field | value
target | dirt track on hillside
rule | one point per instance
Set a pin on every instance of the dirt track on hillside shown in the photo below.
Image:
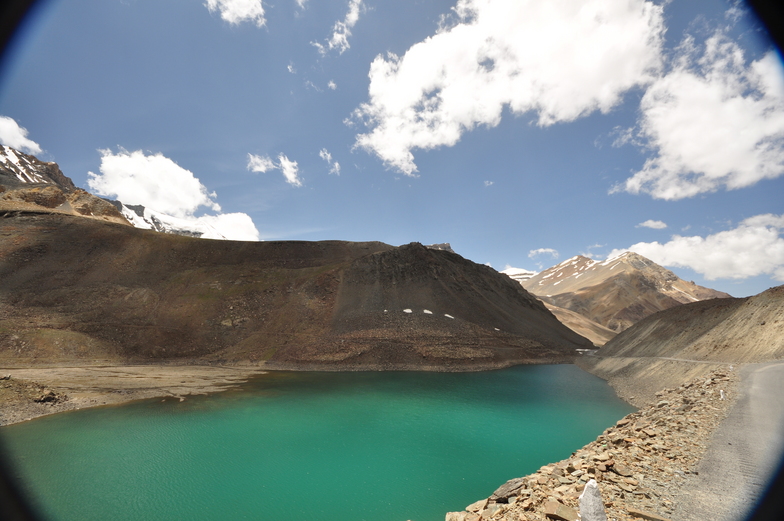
(743, 452)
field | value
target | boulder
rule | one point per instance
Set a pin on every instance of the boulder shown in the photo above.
(556, 510)
(591, 504)
(508, 489)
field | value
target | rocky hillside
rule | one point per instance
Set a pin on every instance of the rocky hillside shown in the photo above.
(671, 346)
(28, 184)
(617, 292)
(639, 465)
(33, 186)
(81, 289)
(18, 168)
(733, 330)
(593, 331)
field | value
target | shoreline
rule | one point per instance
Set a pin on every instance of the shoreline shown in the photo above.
(33, 392)
(655, 430)
(641, 464)
(72, 387)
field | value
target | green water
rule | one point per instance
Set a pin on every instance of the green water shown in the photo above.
(312, 446)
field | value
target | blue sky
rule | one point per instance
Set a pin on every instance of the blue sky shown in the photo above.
(521, 132)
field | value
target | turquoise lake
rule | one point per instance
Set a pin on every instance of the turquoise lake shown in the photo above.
(375, 446)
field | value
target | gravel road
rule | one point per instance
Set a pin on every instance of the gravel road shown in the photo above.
(743, 453)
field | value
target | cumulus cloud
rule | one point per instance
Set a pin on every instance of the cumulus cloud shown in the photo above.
(342, 30)
(650, 223)
(232, 226)
(559, 59)
(712, 121)
(238, 11)
(332, 85)
(160, 184)
(334, 166)
(14, 136)
(154, 181)
(287, 167)
(543, 251)
(489, 183)
(754, 247)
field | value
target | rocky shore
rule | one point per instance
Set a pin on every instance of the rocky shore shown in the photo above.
(27, 393)
(640, 464)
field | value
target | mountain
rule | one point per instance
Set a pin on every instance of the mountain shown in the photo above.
(676, 345)
(33, 186)
(734, 330)
(18, 168)
(147, 219)
(444, 246)
(583, 326)
(78, 289)
(616, 292)
(519, 274)
(28, 182)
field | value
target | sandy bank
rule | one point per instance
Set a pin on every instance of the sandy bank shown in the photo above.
(59, 389)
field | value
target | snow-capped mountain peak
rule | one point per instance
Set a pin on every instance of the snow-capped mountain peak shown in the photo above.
(18, 168)
(518, 274)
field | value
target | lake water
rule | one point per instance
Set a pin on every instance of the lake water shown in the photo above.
(313, 446)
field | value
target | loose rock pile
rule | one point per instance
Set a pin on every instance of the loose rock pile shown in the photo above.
(639, 464)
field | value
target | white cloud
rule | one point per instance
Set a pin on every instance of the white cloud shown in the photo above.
(260, 163)
(342, 30)
(543, 251)
(301, 3)
(160, 184)
(560, 59)
(288, 168)
(309, 84)
(290, 67)
(332, 85)
(238, 11)
(14, 136)
(154, 181)
(650, 223)
(489, 183)
(334, 166)
(712, 121)
(232, 226)
(754, 247)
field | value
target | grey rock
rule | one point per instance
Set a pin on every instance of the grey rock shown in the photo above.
(591, 504)
(509, 488)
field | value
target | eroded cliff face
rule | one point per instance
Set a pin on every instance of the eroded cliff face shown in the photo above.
(79, 289)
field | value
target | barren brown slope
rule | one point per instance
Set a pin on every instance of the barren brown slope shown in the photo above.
(80, 289)
(734, 330)
(582, 325)
(675, 345)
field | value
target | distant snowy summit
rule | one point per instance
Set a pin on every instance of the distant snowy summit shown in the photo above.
(444, 246)
(616, 292)
(148, 219)
(30, 182)
(519, 274)
(18, 168)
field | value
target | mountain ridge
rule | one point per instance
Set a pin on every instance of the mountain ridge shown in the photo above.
(616, 292)
(80, 289)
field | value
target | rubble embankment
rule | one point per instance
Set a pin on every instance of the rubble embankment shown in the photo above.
(640, 463)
